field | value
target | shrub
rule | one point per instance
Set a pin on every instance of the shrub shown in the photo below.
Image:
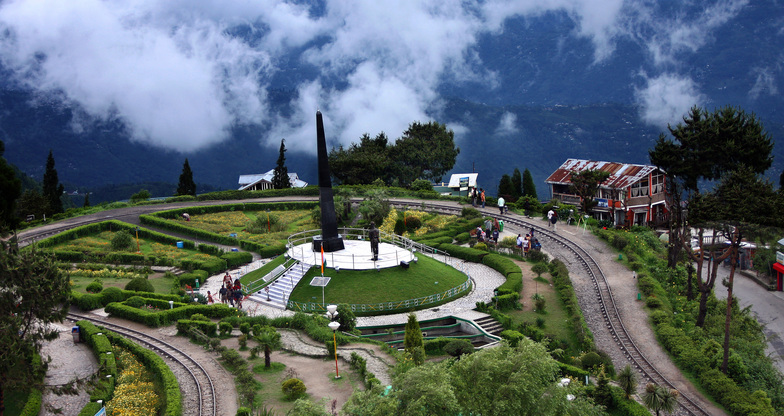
(225, 328)
(111, 294)
(140, 284)
(122, 240)
(653, 302)
(538, 256)
(458, 347)
(619, 241)
(135, 301)
(590, 360)
(512, 336)
(470, 212)
(293, 388)
(96, 286)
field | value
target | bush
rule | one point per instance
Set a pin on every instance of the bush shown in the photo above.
(653, 302)
(140, 284)
(537, 256)
(458, 347)
(293, 388)
(111, 294)
(96, 286)
(512, 336)
(122, 240)
(470, 212)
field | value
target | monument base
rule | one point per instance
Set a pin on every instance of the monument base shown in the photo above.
(330, 245)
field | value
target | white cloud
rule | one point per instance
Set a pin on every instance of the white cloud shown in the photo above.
(507, 125)
(666, 98)
(179, 79)
(764, 83)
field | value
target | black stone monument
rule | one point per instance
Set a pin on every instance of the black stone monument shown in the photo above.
(329, 239)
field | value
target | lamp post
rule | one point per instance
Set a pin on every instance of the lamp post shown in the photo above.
(495, 297)
(138, 249)
(332, 314)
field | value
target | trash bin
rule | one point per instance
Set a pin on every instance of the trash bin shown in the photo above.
(75, 333)
(179, 244)
(501, 225)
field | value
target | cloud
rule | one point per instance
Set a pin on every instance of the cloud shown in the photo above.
(507, 125)
(764, 83)
(667, 98)
(181, 73)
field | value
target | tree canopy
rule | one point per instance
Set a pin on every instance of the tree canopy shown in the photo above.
(186, 185)
(585, 184)
(425, 151)
(33, 293)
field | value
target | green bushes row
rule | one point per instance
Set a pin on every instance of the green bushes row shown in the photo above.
(213, 265)
(98, 340)
(731, 396)
(170, 396)
(90, 301)
(263, 250)
(155, 319)
(35, 398)
(110, 225)
(463, 253)
(359, 365)
(191, 278)
(236, 258)
(572, 371)
(563, 285)
(436, 346)
(209, 328)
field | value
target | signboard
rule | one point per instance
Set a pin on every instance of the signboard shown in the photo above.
(601, 203)
(780, 257)
(101, 412)
(464, 183)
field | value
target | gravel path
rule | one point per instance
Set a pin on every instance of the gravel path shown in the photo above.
(70, 361)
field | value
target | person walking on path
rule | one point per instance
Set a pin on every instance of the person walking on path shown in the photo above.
(482, 196)
(550, 214)
(554, 219)
(501, 203)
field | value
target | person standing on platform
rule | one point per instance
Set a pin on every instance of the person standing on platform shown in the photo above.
(550, 214)
(501, 203)
(482, 196)
(373, 235)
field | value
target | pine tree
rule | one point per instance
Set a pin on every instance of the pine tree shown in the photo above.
(517, 184)
(186, 185)
(529, 189)
(414, 342)
(505, 186)
(280, 178)
(53, 189)
(10, 189)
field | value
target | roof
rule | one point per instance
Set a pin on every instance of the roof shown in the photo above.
(454, 180)
(247, 181)
(622, 175)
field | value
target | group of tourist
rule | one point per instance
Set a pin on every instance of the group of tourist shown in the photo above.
(529, 242)
(230, 292)
(478, 197)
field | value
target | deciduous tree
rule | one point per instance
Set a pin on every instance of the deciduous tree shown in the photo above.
(426, 151)
(362, 163)
(33, 294)
(186, 185)
(585, 184)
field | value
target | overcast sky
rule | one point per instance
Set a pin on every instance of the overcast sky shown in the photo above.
(179, 79)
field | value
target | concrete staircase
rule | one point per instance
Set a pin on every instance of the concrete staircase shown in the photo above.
(280, 289)
(490, 325)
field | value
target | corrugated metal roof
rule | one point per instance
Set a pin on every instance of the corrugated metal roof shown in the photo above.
(247, 181)
(622, 175)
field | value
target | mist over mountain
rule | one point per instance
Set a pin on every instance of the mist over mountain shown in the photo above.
(123, 91)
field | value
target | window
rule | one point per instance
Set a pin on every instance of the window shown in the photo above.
(639, 189)
(657, 184)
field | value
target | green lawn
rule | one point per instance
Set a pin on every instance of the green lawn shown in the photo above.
(161, 284)
(101, 244)
(262, 271)
(424, 278)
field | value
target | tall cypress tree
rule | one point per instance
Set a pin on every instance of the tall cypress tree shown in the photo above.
(517, 184)
(10, 189)
(280, 178)
(186, 186)
(529, 189)
(505, 186)
(53, 189)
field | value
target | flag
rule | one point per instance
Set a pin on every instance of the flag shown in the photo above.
(322, 259)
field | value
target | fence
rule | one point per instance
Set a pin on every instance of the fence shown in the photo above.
(401, 306)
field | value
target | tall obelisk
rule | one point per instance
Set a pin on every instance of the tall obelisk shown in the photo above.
(329, 239)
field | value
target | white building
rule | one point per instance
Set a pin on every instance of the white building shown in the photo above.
(261, 181)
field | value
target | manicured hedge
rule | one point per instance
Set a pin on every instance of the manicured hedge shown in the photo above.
(34, 398)
(212, 265)
(156, 319)
(563, 285)
(110, 225)
(572, 371)
(236, 258)
(263, 250)
(439, 240)
(210, 249)
(464, 253)
(171, 396)
(512, 336)
(508, 301)
(192, 277)
(98, 341)
(90, 301)
(209, 328)
(436, 346)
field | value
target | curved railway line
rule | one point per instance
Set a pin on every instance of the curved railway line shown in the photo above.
(602, 290)
(605, 298)
(196, 386)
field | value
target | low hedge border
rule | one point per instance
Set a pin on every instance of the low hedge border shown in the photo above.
(155, 319)
(98, 340)
(209, 328)
(90, 301)
(35, 398)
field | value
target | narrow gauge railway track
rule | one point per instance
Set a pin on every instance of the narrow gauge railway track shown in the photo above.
(604, 295)
(193, 379)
